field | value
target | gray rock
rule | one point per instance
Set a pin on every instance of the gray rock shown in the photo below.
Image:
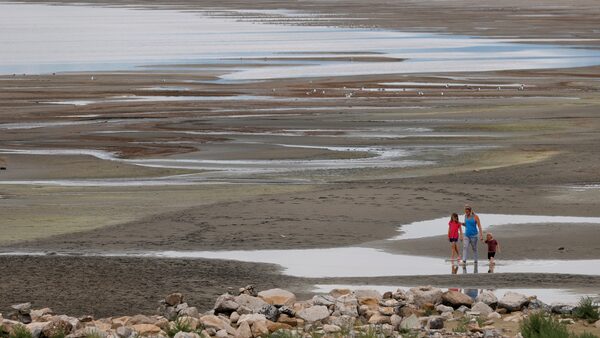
(410, 323)
(270, 312)
(395, 320)
(124, 332)
(387, 330)
(253, 303)
(483, 309)
(562, 309)
(226, 304)
(436, 323)
(536, 304)
(182, 334)
(23, 308)
(170, 313)
(286, 310)
(443, 308)
(487, 297)
(190, 311)
(342, 321)
(513, 301)
(347, 305)
(462, 309)
(325, 300)
(313, 313)
(426, 294)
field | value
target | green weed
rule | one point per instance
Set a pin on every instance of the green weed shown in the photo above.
(587, 310)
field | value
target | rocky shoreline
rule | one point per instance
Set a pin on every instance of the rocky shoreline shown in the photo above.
(418, 312)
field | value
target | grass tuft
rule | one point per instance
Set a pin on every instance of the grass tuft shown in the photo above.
(587, 310)
(20, 331)
(538, 325)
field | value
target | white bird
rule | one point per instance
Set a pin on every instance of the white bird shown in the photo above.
(447, 86)
(92, 78)
(323, 92)
(442, 93)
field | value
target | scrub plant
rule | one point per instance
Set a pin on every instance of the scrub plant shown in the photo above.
(539, 325)
(20, 331)
(587, 310)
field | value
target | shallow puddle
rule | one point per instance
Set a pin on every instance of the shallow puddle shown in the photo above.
(439, 226)
(36, 36)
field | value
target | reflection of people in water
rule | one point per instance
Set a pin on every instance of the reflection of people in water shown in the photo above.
(454, 269)
(471, 293)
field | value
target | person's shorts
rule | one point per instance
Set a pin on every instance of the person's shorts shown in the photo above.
(453, 240)
(491, 254)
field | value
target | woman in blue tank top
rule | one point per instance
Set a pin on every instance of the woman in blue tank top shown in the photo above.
(472, 229)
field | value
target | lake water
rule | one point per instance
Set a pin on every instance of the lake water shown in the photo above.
(41, 39)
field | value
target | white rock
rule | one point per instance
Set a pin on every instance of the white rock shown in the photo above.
(221, 334)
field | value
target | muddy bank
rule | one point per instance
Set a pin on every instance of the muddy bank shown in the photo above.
(129, 286)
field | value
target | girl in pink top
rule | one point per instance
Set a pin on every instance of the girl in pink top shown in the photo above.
(454, 230)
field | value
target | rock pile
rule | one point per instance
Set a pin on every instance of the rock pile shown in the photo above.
(427, 311)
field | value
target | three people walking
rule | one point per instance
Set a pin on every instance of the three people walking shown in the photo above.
(472, 234)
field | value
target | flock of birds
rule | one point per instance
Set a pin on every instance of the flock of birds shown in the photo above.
(352, 92)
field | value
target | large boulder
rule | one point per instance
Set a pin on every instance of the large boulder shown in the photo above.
(487, 297)
(139, 319)
(456, 299)
(23, 308)
(277, 297)
(260, 329)
(250, 302)
(313, 313)
(513, 301)
(426, 294)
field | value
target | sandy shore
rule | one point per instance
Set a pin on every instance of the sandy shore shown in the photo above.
(508, 151)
